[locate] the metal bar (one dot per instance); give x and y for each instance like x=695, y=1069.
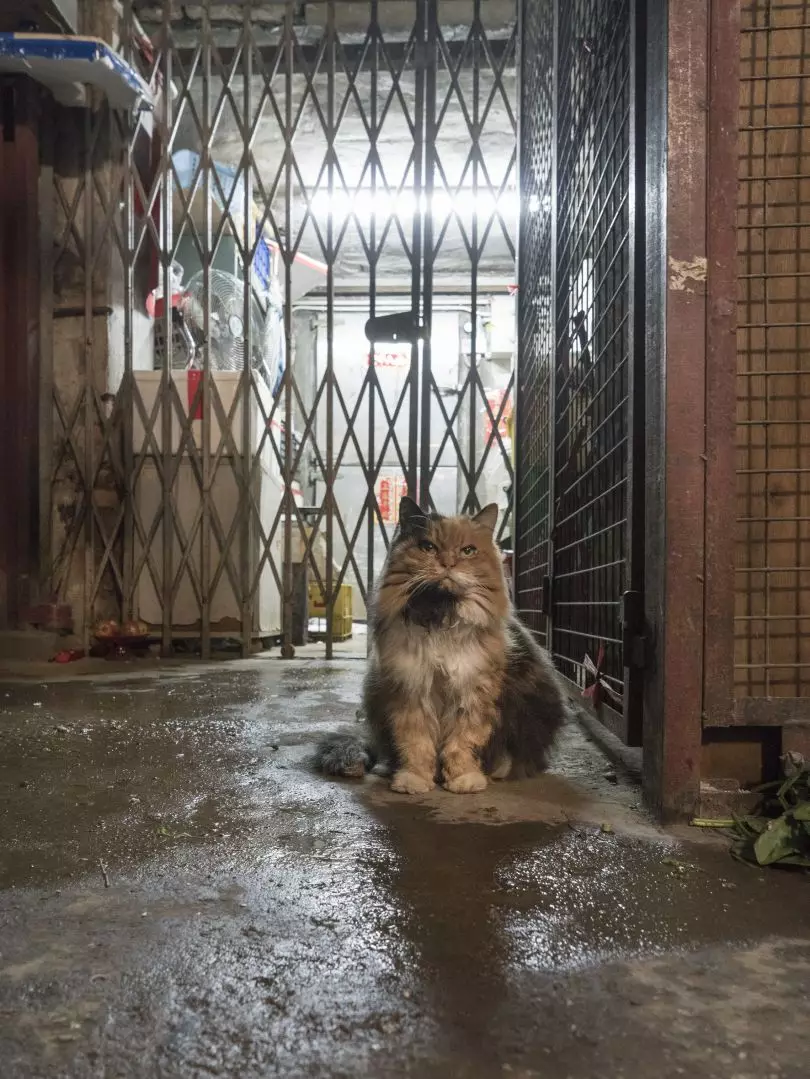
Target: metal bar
x=586, y=636
x=766, y=712
x=88, y=380
x=471, y=502
x=766, y=663
x=678, y=38
x=166, y=209
x=372, y=304
x=428, y=73
x=125, y=391
x=765, y=226
x=769, y=28
x=129, y=128
x=46, y=209
x=247, y=543
x=784, y=618
x=771, y=569
x=655, y=405
x=633, y=703
x=419, y=222
x=330, y=335
x=287, y=649
x=206, y=478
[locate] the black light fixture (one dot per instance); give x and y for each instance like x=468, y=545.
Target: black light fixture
x=398, y=327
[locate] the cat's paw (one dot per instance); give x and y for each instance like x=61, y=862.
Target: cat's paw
x=468, y=783
x=410, y=783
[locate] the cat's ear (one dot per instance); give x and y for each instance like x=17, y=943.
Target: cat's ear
x=411, y=517
x=488, y=517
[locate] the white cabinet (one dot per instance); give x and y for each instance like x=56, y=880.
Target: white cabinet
x=225, y=499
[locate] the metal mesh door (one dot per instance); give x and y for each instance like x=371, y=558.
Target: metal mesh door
x=773, y=387
x=579, y=557
x=536, y=318
x=306, y=168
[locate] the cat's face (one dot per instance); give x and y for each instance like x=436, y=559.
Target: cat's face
x=440, y=567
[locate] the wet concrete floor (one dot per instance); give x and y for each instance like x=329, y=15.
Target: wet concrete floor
x=182, y=897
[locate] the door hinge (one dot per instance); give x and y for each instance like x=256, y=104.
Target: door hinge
x=634, y=632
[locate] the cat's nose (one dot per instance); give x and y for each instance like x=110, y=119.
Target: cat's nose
x=447, y=559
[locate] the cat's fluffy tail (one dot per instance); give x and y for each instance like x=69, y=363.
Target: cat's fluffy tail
x=344, y=755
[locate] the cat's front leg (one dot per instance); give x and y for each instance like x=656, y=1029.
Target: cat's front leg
x=464, y=742
x=415, y=738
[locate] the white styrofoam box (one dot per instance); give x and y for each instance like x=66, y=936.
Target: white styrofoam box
x=228, y=386
x=502, y=326
x=225, y=610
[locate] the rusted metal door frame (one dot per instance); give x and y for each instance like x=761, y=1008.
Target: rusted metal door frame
x=691, y=351
x=722, y=168
x=20, y=348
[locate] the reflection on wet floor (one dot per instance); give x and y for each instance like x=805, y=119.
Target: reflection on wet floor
x=260, y=920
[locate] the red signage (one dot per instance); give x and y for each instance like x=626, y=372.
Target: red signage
x=495, y=398
x=396, y=358
x=390, y=490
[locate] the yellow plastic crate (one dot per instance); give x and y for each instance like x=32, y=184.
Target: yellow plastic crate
x=341, y=616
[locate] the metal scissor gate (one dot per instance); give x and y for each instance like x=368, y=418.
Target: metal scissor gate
x=306, y=168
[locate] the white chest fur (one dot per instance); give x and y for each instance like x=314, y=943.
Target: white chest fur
x=424, y=662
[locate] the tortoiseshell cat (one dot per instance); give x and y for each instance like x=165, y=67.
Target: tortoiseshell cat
x=457, y=689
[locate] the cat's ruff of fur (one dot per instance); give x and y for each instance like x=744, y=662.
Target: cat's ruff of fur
x=456, y=689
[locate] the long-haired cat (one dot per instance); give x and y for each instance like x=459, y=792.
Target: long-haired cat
x=456, y=688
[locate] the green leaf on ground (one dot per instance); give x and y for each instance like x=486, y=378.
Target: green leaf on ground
x=778, y=831
x=775, y=842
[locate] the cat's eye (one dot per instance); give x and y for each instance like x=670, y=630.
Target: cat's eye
x=426, y=545
x=469, y=550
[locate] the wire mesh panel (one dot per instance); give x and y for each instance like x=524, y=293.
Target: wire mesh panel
x=592, y=338
x=304, y=169
x=536, y=318
x=577, y=506
x=773, y=345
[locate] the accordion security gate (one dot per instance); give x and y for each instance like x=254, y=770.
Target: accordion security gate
x=579, y=511
x=371, y=145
